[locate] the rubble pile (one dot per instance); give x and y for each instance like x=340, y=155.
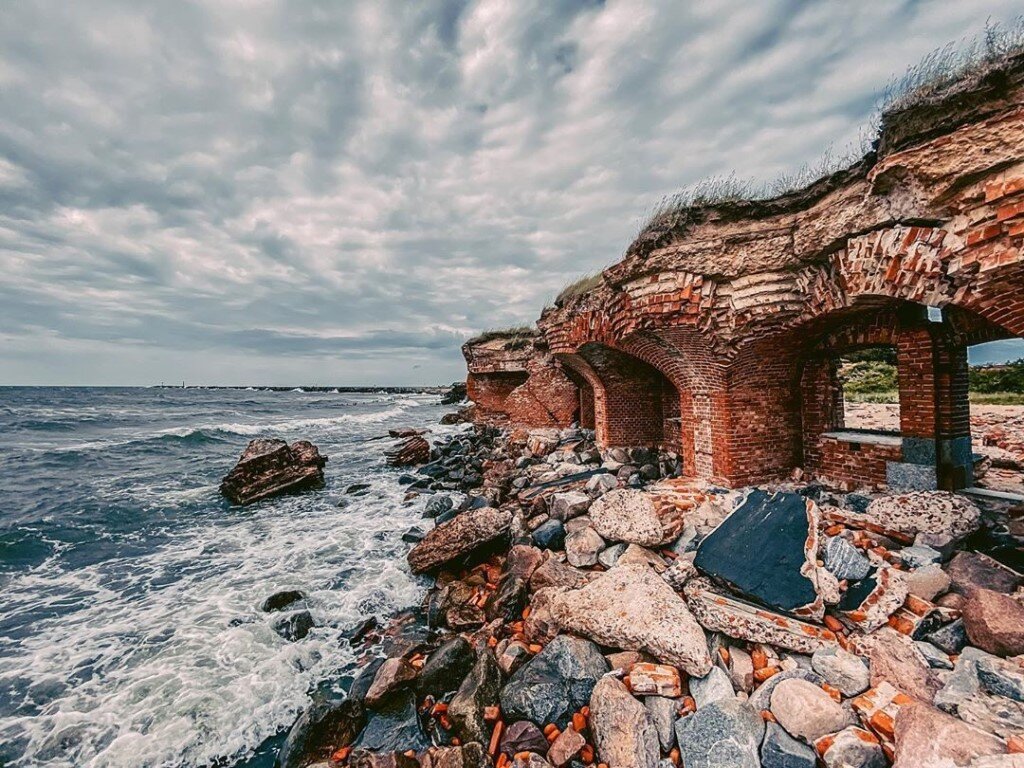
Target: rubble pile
x=592, y=609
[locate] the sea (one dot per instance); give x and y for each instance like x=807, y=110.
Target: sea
x=130, y=625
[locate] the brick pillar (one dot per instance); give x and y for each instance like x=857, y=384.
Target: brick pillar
x=821, y=407
x=953, y=417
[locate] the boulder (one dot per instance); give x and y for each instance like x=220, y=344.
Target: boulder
x=413, y=449
x=394, y=675
x=1001, y=677
x=522, y=736
x=272, y=467
x=446, y=668
x=281, y=600
x=635, y=517
x=567, y=505
x=973, y=570
x=765, y=550
x=326, y=725
x=842, y=669
x=479, y=690
x=950, y=638
x=623, y=732
x=459, y=536
x=844, y=560
x=294, y=626
x=662, y=712
x=395, y=727
x=852, y=747
x=805, y=710
x=631, y=608
x=994, y=622
x=780, y=750
x=714, y=686
x=724, y=733
x=554, y=573
x=939, y=512
x=555, y=683
x=925, y=735
x=582, y=547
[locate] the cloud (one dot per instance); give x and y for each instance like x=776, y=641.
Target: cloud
x=341, y=192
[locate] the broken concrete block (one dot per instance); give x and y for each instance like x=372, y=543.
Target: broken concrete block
x=655, y=679
x=637, y=517
x=916, y=618
x=766, y=550
x=878, y=708
x=582, y=547
x=852, y=747
x=870, y=602
x=925, y=512
x=718, y=612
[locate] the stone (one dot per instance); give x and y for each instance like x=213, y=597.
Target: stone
x=925, y=512
x=437, y=504
x=997, y=715
x=623, y=733
x=765, y=550
x=950, y=638
x=478, y=691
x=522, y=736
x=555, y=683
x=582, y=547
x=508, y=600
x=635, y=517
x=364, y=758
x=925, y=735
x=936, y=657
x=530, y=760
x=780, y=750
x=805, y=710
x=870, y=602
x=714, y=686
x=844, y=560
x=294, y=626
x=852, y=747
x=272, y=467
x=919, y=556
x=631, y=608
x=724, y=733
x=394, y=727
x=523, y=560
x=928, y=582
x=602, y=483
x=609, y=556
x=646, y=679
x=994, y=622
x=662, y=712
x=565, y=747
x=458, y=537
x=1001, y=677
x=637, y=555
x=393, y=675
x=893, y=658
x=567, y=505
x=511, y=655
x=680, y=571
x=468, y=756
x=842, y=669
x=446, y=668
x=323, y=727
x=550, y=535
x=540, y=626
x=962, y=683
x=761, y=698
x=973, y=570
x=741, y=670
x=281, y=600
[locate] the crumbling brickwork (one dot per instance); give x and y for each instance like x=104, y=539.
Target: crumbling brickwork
x=711, y=334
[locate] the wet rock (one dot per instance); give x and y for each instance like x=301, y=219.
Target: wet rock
x=950, y=638
x=630, y=607
x=636, y=518
x=893, y=658
x=994, y=622
x=662, y=712
x=646, y=679
x=523, y=736
x=446, y=668
x=458, y=537
x=395, y=727
x=925, y=735
x=925, y=512
x=554, y=683
x=272, y=467
x=294, y=626
x=394, y=675
x=479, y=690
x=928, y=582
x=326, y=725
x=844, y=560
x=582, y=547
x=508, y=600
x=414, y=535
x=780, y=750
x=437, y=504
x=410, y=451
x=766, y=550
x=623, y=732
x=565, y=747
x=805, y=710
x=714, y=686
x=523, y=560
x=725, y=733
x=358, y=632
x=842, y=669
x=280, y=600
x=567, y=505
x=972, y=570
x=852, y=747
x=550, y=535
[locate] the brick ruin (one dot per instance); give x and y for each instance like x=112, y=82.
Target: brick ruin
x=717, y=333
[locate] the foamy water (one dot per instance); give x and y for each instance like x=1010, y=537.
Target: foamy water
x=130, y=633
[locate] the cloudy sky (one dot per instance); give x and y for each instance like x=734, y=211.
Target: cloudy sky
x=340, y=192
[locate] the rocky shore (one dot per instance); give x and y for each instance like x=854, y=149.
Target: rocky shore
x=591, y=608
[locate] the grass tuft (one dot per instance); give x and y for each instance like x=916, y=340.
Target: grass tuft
x=578, y=287
x=518, y=337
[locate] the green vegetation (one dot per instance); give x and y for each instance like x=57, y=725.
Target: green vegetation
x=869, y=376
x=578, y=287
x=518, y=337
x=990, y=379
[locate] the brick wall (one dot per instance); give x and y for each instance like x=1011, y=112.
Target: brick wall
x=490, y=391
x=850, y=463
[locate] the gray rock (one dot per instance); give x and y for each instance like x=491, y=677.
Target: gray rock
x=623, y=732
x=609, y=556
x=805, y=710
x=554, y=683
x=844, y=560
x=950, y=638
x=919, y=556
x=780, y=750
x=394, y=728
x=437, y=504
x=854, y=747
x=936, y=657
x=446, y=668
x=963, y=683
x=294, y=626
x=725, y=733
x=714, y=686
x=582, y=547
x=550, y=535
x=479, y=690
x=280, y=600
x=601, y=484
x=1000, y=677
x=761, y=698
x=842, y=670
x=567, y=505
x=662, y=712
